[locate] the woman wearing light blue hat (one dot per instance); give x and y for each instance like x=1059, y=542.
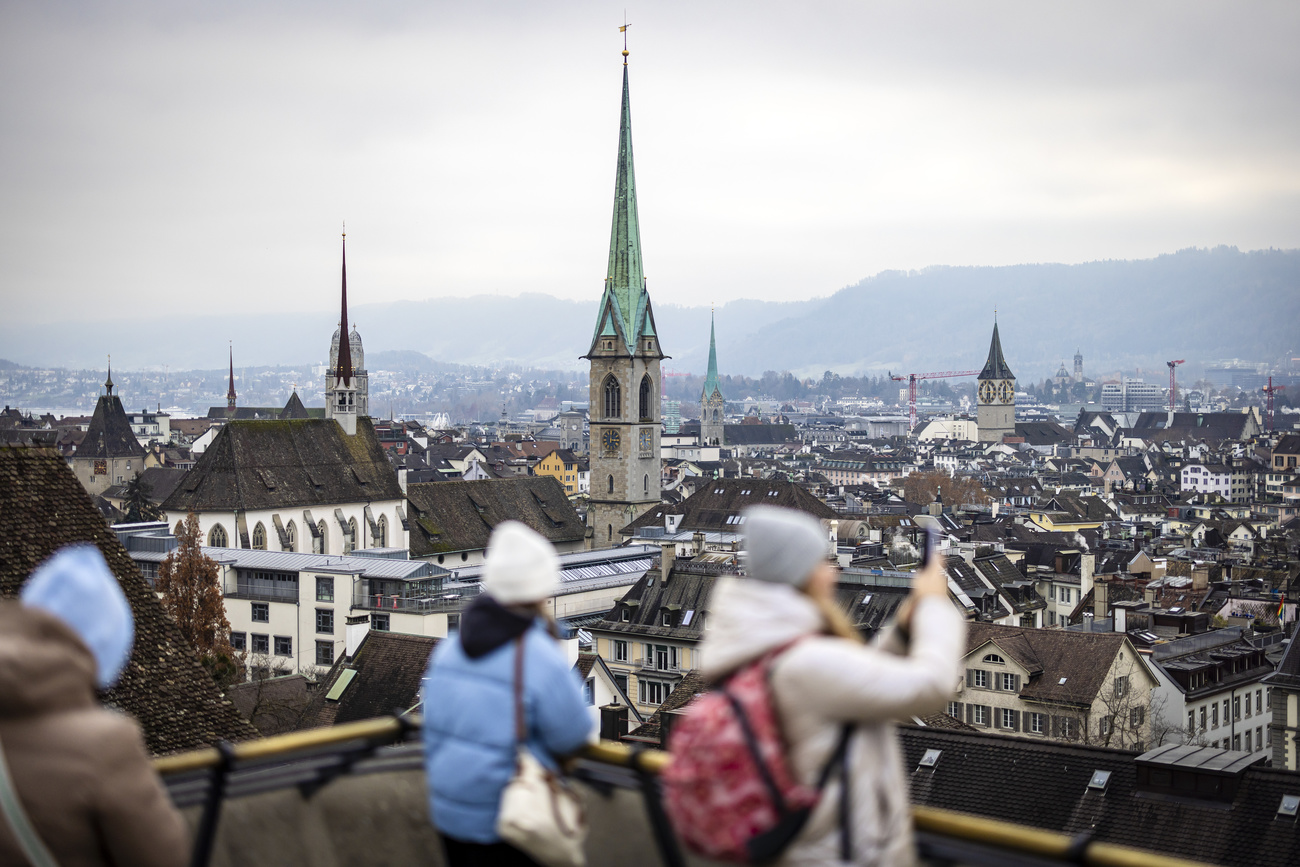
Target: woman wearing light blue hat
x=76, y=785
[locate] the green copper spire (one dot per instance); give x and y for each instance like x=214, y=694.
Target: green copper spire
x=625, y=305
x=711, y=378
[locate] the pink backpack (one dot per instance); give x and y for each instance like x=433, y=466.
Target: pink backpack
x=729, y=791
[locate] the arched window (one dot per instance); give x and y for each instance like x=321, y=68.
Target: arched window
x=350, y=539
x=715, y=415
x=381, y=536
x=259, y=537
x=180, y=525
x=291, y=535
x=609, y=532
x=217, y=536
x=320, y=544
x=613, y=398
x=611, y=484
x=994, y=659
x=646, y=483
x=646, y=395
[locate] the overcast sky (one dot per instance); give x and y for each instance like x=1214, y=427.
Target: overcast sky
x=177, y=156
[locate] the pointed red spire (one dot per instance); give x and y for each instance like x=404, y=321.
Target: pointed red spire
x=230, y=394
x=344, y=372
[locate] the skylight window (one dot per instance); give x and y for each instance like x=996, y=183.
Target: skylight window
x=930, y=759
x=1061, y=682
x=1289, y=807
x=1099, y=780
x=688, y=616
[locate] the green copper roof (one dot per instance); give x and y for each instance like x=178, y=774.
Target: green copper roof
x=711, y=378
x=625, y=305
x=996, y=366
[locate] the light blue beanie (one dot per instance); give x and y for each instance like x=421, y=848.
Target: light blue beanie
x=783, y=545
x=76, y=586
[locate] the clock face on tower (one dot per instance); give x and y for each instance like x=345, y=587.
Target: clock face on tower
x=1005, y=394
x=647, y=439
x=610, y=440
x=986, y=392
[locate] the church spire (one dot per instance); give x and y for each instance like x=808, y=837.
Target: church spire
x=625, y=305
x=711, y=378
x=344, y=372
x=996, y=366
x=230, y=392
x=108, y=383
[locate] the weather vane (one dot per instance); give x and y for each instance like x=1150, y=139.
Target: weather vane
x=623, y=30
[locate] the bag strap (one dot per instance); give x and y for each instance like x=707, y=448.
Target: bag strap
x=12, y=808
x=521, y=727
x=751, y=741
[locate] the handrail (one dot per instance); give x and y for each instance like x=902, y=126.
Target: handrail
x=949, y=823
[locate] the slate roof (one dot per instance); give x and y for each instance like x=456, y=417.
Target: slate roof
x=1015, y=587
x=688, y=588
x=388, y=666
x=109, y=434
x=712, y=506
x=758, y=434
x=1044, y=784
x=42, y=508
x=293, y=408
x=285, y=464
x=691, y=685
x=995, y=367
x=459, y=515
x=1288, y=670
x=161, y=481
x=1043, y=433
x=985, y=599
x=1082, y=659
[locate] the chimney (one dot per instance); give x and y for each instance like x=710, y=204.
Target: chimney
x=1099, y=602
x=698, y=540
x=613, y=722
x=667, y=553
x=355, y=632
x=1200, y=577
x=1087, y=567
x=1149, y=594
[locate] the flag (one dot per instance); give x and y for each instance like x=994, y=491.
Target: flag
x=1281, y=603
x=623, y=29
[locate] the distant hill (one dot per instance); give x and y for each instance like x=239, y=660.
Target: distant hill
x=1196, y=304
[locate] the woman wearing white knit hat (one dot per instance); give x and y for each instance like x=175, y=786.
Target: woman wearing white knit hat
x=469, y=698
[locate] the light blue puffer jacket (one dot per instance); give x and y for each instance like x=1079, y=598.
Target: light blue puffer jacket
x=469, y=728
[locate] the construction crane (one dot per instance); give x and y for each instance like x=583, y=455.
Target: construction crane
x=1173, y=384
x=1269, y=390
x=912, y=379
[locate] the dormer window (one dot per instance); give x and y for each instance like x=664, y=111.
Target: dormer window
x=994, y=659
x=625, y=615
x=666, y=618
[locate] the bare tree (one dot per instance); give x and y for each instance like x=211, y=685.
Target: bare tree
x=921, y=488
x=187, y=584
x=1126, y=706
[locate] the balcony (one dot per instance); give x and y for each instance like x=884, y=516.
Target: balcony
x=355, y=794
x=261, y=591
x=409, y=604
x=660, y=666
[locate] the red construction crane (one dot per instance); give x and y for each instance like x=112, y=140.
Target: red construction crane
x=1269, y=390
x=1173, y=384
x=911, y=387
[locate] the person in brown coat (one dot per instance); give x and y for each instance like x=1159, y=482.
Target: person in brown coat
x=81, y=772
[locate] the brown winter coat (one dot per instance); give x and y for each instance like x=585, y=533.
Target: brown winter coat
x=81, y=771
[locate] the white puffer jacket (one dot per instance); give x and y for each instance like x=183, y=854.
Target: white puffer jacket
x=823, y=682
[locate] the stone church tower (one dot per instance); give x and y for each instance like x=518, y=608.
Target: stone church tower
x=358, y=380
x=713, y=412
x=341, y=385
x=625, y=369
x=997, y=395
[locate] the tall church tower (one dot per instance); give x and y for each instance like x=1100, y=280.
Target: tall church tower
x=997, y=395
x=625, y=360
x=340, y=383
x=712, y=407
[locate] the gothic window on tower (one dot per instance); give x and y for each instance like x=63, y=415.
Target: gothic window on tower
x=217, y=537
x=646, y=396
x=291, y=533
x=259, y=537
x=611, y=484
x=319, y=542
x=613, y=398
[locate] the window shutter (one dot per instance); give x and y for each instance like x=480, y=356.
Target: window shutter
x=970, y=677
x=1015, y=720
x=1017, y=684
x=970, y=712
x=1056, y=726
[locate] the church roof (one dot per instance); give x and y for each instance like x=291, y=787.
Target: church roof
x=285, y=464
x=711, y=378
x=625, y=305
x=460, y=515
x=294, y=408
x=109, y=434
x=344, y=369
x=996, y=366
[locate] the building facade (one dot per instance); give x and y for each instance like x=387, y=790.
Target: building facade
x=625, y=361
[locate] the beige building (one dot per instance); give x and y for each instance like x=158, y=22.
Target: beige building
x=109, y=454
x=1062, y=685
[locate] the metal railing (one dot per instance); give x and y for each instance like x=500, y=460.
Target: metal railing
x=649, y=663
x=407, y=604
x=943, y=834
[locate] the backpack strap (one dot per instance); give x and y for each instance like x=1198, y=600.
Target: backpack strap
x=11, y=808
x=521, y=727
x=751, y=741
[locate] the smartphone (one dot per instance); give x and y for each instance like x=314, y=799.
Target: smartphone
x=931, y=548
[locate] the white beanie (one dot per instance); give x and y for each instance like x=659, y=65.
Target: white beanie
x=782, y=545
x=76, y=586
x=521, y=566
